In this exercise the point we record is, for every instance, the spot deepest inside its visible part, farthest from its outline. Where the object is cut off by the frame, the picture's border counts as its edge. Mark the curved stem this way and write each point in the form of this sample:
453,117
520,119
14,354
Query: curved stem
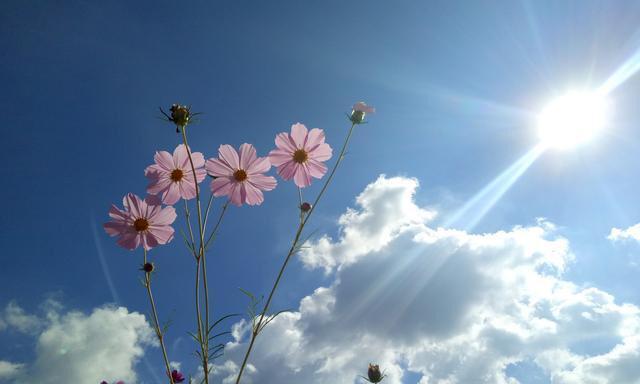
292,251
212,236
147,284
203,334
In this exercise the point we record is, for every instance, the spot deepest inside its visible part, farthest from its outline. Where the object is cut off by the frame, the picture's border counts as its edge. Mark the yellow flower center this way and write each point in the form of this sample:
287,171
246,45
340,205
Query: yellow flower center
240,175
141,225
300,156
176,175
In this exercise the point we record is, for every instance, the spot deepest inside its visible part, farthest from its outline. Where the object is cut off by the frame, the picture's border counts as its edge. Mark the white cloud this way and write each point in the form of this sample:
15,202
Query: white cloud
78,348
9,370
13,316
104,345
452,306
631,233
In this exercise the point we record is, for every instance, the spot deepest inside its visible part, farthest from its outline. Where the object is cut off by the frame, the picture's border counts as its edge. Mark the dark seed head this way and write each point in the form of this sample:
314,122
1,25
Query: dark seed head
305,207
147,267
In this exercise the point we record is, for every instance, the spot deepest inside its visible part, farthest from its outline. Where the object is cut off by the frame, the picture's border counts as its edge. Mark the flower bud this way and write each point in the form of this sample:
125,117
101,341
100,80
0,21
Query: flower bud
375,376
180,114
305,207
147,267
359,111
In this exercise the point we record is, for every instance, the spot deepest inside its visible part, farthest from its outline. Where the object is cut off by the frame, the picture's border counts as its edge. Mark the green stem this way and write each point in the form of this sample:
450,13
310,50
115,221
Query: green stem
291,252
156,323
204,335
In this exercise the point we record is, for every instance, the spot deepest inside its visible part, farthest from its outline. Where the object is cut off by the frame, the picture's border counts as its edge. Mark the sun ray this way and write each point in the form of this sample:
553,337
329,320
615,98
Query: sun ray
474,210
622,74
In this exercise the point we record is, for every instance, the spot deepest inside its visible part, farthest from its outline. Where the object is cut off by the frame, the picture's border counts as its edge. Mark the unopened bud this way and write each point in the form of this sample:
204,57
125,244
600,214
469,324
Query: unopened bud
305,207
375,376
360,109
147,267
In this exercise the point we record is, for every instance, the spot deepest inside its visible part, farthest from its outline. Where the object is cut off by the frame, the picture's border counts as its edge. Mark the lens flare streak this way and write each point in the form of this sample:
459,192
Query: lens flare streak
474,210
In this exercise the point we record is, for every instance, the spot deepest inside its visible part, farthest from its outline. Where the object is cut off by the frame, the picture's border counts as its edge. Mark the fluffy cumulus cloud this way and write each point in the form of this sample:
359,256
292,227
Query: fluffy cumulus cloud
75,347
447,305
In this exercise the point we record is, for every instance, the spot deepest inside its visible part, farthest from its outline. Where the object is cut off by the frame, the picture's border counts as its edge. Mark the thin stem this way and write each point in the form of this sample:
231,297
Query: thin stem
206,214
147,284
204,336
292,251
212,236
188,217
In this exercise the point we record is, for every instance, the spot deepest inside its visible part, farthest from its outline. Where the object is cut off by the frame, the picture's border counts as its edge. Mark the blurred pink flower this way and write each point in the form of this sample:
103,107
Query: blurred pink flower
171,177
143,222
360,106
177,376
240,176
300,154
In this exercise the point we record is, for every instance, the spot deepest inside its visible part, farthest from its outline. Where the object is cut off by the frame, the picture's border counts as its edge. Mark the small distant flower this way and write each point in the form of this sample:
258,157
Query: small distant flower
305,207
360,109
374,374
240,176
300,154
177,376
171,177
142,222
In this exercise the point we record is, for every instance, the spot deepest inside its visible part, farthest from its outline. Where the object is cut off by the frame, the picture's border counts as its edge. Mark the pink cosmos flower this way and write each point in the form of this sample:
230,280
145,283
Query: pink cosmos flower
300,154
171,176
240,176
143,222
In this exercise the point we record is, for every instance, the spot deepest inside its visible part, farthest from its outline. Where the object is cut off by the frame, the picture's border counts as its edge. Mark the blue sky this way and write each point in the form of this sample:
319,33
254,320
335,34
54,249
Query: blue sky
457,86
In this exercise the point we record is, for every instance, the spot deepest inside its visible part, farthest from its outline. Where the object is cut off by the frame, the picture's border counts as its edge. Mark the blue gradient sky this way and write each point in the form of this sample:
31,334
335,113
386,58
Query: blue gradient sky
457,85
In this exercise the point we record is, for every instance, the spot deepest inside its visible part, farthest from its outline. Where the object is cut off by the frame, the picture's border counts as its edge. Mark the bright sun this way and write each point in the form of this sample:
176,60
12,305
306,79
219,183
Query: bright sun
572,119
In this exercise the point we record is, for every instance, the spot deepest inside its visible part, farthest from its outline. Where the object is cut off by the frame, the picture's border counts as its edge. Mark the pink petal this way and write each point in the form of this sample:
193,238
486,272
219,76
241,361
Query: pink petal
221,186
164,160
287,170
133,204
316,168
218,168
285,143
299,134
253,195
129,241
117,214
198,161
237,194
148,240
166,216
302,178
162,233
187,189
229,155
180,157
259,165
114,229
315,138
278,157
247,155
172,194
159,185
322,152
362,107
152,200
266,183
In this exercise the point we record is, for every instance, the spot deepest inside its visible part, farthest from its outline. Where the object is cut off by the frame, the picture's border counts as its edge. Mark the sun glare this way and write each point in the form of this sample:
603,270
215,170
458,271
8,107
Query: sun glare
572,119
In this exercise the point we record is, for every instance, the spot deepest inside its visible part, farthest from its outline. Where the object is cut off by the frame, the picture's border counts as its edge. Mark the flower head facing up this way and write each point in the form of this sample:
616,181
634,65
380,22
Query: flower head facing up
300,155
142,222
177,376
240,175
360,109
171,176
374,374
